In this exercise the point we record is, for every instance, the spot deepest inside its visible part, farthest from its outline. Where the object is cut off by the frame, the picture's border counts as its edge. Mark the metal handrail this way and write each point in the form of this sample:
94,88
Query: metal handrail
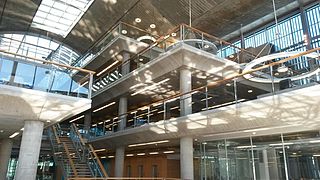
222,81
88,153
49,62
98,161
106,34
70,159
54,139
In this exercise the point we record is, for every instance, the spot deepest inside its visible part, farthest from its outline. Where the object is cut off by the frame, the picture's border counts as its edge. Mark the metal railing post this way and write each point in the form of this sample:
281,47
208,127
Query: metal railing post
90,86
207,104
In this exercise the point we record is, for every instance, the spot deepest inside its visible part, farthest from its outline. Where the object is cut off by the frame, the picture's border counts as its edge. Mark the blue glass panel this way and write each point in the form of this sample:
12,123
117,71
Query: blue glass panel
24,74
5,70
42,79
61,83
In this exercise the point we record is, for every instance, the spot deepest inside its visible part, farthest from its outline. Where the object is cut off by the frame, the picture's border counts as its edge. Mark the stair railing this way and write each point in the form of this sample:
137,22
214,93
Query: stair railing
70,160
87,153
58,151
60,147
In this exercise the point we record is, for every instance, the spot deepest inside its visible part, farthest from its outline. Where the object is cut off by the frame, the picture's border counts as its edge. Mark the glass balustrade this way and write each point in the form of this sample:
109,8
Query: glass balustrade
120,30
268,76
44,76
180,35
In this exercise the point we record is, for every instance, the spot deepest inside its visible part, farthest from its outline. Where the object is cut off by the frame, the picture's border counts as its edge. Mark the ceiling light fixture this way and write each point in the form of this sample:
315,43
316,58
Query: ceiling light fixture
14,135
280,144
245,147
76,119
148,143
168,152
152,26
250,91
124,31
129,155
314,141
103,107
99,150
173,34
138,20
152,153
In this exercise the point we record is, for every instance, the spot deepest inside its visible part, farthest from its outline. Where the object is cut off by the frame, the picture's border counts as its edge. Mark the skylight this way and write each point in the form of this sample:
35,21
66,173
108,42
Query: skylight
37,46
60,16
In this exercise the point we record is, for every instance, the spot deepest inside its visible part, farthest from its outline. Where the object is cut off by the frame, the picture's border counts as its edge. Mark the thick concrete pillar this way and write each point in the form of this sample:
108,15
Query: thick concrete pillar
5,154
125,68
123,105
29,150
186,158
119,161
186,143
185,86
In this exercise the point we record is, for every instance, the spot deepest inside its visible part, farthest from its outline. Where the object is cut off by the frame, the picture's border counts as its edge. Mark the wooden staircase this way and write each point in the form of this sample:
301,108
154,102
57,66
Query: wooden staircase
80,166
76,158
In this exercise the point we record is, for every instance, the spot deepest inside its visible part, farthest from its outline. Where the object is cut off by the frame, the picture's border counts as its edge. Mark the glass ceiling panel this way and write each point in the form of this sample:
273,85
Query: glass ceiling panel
60,16
37,46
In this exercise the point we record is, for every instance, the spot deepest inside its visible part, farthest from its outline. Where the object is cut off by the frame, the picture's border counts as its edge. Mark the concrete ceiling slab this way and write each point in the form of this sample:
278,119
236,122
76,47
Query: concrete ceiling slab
20,104
286,112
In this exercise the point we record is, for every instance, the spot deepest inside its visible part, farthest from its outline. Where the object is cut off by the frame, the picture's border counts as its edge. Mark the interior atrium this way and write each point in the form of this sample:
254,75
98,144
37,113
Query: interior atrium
159,90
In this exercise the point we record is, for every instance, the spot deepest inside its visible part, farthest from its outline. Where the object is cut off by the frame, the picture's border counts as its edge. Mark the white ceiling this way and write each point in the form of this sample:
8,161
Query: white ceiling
20,104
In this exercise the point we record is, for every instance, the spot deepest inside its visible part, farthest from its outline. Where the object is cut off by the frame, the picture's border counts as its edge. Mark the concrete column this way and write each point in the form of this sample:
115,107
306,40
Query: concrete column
87,121
185,86
123,105
5,154
264,167
119,161
273,164
29,150
125,69
186,158
186,143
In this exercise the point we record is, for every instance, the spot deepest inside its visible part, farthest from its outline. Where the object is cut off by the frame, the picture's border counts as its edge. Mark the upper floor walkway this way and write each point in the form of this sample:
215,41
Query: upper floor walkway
39,90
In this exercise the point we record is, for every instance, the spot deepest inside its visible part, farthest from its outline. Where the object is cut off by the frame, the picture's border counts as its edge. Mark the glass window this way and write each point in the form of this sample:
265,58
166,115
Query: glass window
313,18
6,67
43,78
24,74
61,83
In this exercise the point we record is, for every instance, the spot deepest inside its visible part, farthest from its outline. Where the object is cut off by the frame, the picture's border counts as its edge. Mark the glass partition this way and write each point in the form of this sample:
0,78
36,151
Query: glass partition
277,156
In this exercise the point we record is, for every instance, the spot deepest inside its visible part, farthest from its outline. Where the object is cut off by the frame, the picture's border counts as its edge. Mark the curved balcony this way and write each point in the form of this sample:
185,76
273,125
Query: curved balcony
227,105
